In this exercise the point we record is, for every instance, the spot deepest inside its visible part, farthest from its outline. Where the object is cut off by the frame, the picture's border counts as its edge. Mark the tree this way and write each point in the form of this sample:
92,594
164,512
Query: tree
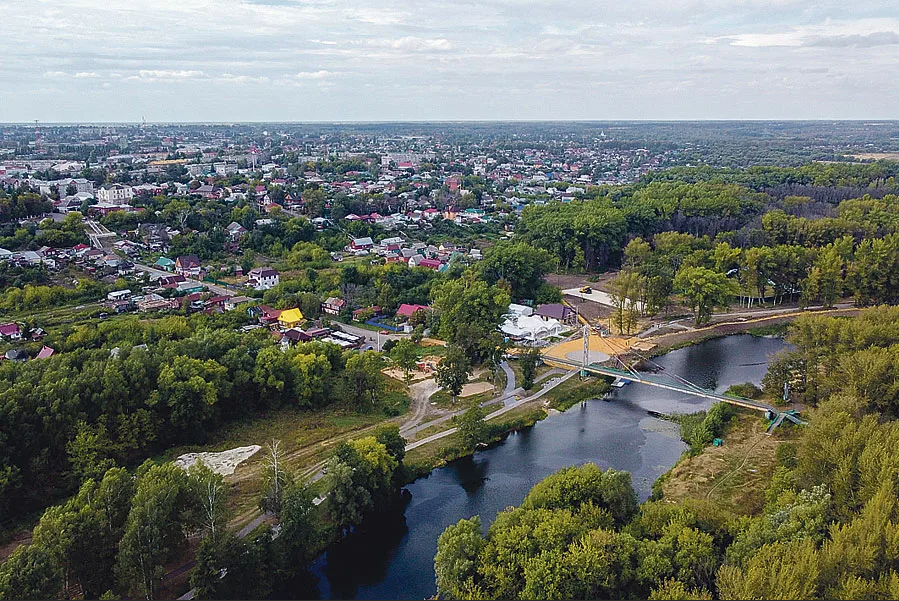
470,311
154,529
190,389
625,290
88,451
518,265
405,356
472,427
208,489
298,524
276,478
528,360
704,289
456,561
453,371
363,378
29,573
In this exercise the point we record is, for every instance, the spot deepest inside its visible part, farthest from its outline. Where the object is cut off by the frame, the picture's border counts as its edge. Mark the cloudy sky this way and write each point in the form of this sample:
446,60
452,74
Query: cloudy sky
323,60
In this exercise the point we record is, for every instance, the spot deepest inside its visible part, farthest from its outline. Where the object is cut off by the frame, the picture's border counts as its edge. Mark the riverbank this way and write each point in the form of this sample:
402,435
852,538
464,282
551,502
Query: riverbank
733,476
666,343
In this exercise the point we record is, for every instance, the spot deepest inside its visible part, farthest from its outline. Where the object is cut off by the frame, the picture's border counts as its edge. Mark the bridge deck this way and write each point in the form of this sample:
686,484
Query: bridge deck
661,381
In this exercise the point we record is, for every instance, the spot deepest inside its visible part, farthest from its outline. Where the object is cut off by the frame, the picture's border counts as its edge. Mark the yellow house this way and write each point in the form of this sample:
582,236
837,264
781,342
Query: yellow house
291,318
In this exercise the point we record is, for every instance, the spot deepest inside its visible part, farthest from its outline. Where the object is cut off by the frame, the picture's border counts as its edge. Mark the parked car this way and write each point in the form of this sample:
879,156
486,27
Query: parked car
586,290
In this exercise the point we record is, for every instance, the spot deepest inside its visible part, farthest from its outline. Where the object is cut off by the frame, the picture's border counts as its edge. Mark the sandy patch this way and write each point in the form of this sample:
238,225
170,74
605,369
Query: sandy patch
475,388
398,374
223,463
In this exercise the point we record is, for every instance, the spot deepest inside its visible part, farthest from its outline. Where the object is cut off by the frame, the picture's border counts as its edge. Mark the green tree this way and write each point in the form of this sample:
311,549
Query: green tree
405,356
626,289
517,265
453,371
470,311
456,561
529,359
29,573
472,427
704,289
363,378
154,531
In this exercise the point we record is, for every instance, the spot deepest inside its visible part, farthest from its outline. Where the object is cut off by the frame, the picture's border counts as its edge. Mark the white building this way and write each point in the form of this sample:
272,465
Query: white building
263,278
531,328
115,193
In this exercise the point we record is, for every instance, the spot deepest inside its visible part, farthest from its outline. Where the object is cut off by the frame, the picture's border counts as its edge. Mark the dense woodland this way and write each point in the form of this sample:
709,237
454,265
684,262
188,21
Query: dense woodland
827,531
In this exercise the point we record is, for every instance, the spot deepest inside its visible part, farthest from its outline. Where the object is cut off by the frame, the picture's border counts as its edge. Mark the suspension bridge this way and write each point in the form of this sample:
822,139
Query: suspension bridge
670,381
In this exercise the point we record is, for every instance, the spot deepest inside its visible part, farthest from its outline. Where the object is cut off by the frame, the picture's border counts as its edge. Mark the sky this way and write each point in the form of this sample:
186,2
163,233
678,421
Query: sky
414,60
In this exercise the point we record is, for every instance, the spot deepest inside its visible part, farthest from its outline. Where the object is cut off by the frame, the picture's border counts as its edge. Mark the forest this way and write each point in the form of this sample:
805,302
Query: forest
828,529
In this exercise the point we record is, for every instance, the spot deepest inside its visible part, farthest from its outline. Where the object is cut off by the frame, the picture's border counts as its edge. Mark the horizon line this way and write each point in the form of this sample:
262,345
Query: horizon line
451,121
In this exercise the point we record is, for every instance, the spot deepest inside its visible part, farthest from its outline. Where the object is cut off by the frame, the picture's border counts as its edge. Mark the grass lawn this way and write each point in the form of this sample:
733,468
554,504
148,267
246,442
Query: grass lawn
735,475
574,390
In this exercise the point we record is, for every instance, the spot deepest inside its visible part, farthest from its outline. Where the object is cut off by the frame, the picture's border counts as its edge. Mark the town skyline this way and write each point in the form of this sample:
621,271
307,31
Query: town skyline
328,61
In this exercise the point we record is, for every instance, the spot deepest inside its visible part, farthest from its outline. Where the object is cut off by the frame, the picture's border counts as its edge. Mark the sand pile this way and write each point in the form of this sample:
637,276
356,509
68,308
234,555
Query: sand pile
223,463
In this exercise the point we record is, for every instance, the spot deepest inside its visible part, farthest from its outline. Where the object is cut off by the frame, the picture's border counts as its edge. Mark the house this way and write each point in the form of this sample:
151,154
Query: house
11,331
407,310
263,278
290,318
430,264
265,313
294,336
333,306
232,302
235,230
45,353
115,193
558,311
188,266
164,263
362,243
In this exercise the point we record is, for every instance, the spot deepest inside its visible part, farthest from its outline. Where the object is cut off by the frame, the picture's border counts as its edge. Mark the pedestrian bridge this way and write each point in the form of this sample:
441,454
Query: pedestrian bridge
673,382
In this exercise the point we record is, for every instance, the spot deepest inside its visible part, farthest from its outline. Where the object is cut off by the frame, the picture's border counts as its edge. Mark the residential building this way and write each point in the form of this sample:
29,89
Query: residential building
115,193
188,266
407,310
333,306
290,318
11,331
263,278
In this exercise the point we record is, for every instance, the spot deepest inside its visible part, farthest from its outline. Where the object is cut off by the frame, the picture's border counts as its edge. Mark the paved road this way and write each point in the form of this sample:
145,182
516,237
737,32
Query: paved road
510,378
370,335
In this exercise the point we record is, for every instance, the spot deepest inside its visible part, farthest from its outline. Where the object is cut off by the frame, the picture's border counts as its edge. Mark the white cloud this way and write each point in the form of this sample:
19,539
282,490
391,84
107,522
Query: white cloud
321,74
862,33
86,75
167,75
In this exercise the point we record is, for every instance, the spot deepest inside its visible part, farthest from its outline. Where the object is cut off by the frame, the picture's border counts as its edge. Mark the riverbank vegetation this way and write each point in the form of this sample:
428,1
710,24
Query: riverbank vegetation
823,527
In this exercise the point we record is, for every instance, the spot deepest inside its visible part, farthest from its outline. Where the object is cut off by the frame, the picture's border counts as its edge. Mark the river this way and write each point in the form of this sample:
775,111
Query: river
391,556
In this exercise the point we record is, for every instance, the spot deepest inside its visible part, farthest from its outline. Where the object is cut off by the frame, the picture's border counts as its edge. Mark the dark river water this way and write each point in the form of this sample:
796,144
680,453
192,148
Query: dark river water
392,556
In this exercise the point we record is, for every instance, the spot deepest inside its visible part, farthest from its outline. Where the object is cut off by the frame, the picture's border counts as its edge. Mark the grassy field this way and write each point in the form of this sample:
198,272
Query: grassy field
574,390
734,475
